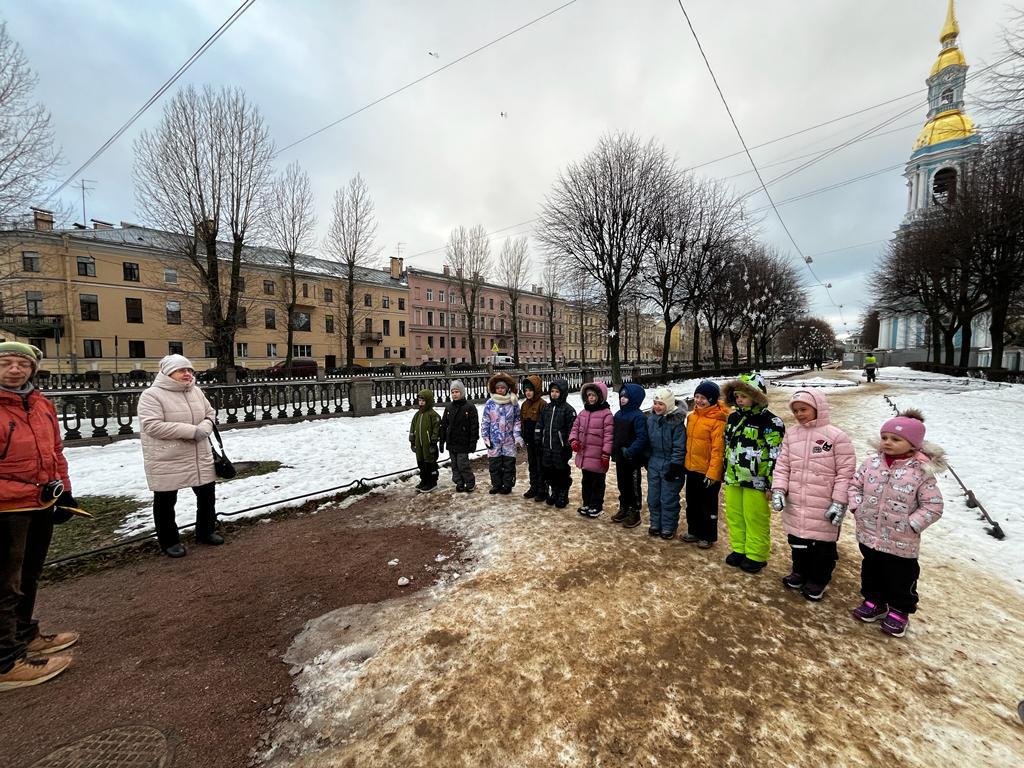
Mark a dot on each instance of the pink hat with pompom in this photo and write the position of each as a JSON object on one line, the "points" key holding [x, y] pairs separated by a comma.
{"points": [[909, 425]]}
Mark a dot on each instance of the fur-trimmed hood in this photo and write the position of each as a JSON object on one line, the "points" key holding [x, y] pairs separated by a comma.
{"points": [[931, 457], [509, 382], [730, 388], [595, 386]]}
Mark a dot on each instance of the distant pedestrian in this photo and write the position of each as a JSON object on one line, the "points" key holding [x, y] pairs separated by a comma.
{"points": [[810, 486], [424, 435], [591, 440], [705, 464], [894, 496], [460, 430], [666, 469], [529, 416], [500, 430], [556, 420], [176, 421], [870, 367], [753, 438], [35, 491], [630, 451]]}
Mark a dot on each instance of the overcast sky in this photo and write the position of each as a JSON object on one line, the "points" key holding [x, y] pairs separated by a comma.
{"points": [[439, 154]]}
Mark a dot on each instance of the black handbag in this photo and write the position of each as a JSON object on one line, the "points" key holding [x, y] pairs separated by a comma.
{"points": [[222, 465]]}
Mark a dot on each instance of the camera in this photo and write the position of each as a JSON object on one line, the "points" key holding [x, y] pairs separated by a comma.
{"points": [[50, 491]]}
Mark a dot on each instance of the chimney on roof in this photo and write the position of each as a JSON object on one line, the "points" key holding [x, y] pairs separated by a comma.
{"points": [[396, 267], [42, 219], [97, 224], [447, 271]]}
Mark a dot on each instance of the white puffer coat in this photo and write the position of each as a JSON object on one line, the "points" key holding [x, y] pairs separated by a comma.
{"points": [[170, 412]]}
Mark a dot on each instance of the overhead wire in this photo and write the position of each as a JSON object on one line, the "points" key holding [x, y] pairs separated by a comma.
{"points": [[239, 11]]}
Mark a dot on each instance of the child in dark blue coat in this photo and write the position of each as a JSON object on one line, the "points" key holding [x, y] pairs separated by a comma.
{"points": [[630, 448]]}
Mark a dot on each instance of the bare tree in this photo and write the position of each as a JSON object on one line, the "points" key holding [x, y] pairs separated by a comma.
{"points": [[604, 213], [774, 297], [291, 225], [28, 157], [203, 170], [1003, 94], [552, 281], [350, 241], [469, 257], [513, 268]]}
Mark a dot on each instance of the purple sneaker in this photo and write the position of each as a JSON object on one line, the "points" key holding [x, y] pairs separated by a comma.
{"points": [[895, 623], [868, 611], [793, 581]]}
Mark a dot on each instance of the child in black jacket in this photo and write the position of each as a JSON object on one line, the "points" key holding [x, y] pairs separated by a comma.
{"points": [[460, 429]]}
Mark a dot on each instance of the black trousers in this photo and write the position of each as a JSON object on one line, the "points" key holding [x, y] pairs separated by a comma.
{"points": [[870, 374], [428, 472], [503, 471], [558, 477], [627, 477], [889, 579], [24, 541], [533, 456], [814, 560], [701, 507], [163, 514], [593, 489]]}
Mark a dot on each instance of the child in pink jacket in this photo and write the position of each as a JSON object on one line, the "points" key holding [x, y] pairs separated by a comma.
{"points": [[591, 441], [893, 497], [810, 487]]}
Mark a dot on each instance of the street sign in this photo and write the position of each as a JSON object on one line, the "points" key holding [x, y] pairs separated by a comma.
{"points": [[494, 347]]}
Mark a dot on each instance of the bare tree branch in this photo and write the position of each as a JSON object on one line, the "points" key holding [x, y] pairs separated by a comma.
{"points": [[513, 268], [469, 257]]}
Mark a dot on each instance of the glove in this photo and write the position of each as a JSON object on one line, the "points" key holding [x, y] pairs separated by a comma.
{"points": [[778, 501], [674, 473], [605, 461], [835, 513], [575, 445], [708, 482], [66, 507]]}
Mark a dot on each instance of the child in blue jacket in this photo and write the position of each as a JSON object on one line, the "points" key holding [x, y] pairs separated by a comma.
{"points": [[666, 429], [630, 447]]}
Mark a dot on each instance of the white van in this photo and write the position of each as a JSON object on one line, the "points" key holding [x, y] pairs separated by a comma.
{"points": [[503, 361]]}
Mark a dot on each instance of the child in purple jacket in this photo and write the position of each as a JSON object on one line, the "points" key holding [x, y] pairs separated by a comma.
{"points": [[591, 441]]}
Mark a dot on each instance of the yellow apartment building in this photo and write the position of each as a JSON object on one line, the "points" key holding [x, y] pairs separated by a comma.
{"points": [[120, 298]]}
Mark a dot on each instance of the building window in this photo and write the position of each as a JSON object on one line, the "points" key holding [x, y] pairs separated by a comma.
{"points": [[241, 349], [368, 325], [430, 294], [440, 341], [440, 296], [30, 261], [268, 287], [369, 353], [271, 350], [93, 347], [305, 290], [430, 343], [430, 317], [301, 322], [401, 306], [242, 317], [463, 342], [173, 312], [136, 348], [387, 353], [170, 275], [302, 350], [269, 319], [328, 295], [86, 266], [89, 303], [329, 323], [367, 300], [387, 327], [133, 311], [401, 351], [131, 271], [175, 348], [241, 285], [440, 319], [209, 349], [34, 303], [481, 302], [401, 329], [385, 302]]}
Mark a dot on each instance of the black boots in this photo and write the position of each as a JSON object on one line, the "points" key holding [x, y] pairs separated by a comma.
{"points": [[632, 519], [562, 498], [621, 515]]}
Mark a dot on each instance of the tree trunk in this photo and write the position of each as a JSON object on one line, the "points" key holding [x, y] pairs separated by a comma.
{"points": [[613, 344], [291, 311], [667, 340], [936, 339], [470, 318], [997, 330], [551, 334], [515, 334], [350, 319], [965, 342], [734, 339], [947, 342], [714, 352], [696, 342]]}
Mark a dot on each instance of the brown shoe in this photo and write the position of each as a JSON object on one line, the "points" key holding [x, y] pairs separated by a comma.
{"points": [[32, 671], [52, 643]]}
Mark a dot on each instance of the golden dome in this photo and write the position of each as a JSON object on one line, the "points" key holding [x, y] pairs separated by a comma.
{"points": [[950, 28], [947, 58], [945, 127]]}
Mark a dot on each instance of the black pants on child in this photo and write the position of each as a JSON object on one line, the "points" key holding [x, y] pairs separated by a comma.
{"points": [[558, 477], [503, 471], [163, 514], [24, 541], [533, 456], [462, 471], [627, 477], [428, 473], [593, 489], [889, 579], [814, 560], [701, 507]]}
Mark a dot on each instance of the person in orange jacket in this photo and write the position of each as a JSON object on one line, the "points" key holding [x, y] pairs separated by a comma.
{"points": [[705, 464]]}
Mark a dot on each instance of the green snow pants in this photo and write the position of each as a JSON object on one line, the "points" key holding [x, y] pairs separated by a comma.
{"points": [[749, 520]]}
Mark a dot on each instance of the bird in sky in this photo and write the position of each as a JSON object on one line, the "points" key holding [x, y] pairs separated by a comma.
{"points": [[503, 114], [434, 54]]}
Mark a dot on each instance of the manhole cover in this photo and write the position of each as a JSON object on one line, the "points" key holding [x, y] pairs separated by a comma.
{"points": [[131, 746]]}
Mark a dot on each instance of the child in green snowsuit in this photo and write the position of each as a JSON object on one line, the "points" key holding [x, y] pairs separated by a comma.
{"points": [[753, 440], [423, 437]]}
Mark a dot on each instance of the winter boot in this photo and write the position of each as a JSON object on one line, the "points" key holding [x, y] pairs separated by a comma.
{"points": [[869, 611], [632, 518], [735, 559], [689, 538], [793, 581], [705, 544], [621, 515], [563, 498], [813, 592], [530, 493], [652, 531], [33, 671], [752, 566], [895, 623]]}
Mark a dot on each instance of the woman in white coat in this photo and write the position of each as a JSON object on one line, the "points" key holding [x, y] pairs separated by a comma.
{"points": [[176, 420]]}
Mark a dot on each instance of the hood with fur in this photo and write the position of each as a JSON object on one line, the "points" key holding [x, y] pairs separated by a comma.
{"points": [[748, 386]]}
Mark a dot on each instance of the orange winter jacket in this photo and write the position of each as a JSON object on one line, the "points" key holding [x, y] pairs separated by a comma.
{"points": [[31, 451], [705, 440]]}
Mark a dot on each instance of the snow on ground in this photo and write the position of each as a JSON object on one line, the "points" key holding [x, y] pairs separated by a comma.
{"points": [[565, 641]]}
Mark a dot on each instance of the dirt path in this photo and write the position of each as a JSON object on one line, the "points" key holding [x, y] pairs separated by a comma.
{"points": [[192, 647], [577, 643]]}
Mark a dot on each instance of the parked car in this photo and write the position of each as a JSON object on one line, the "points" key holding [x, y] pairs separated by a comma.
{"points": [[300, 366], [465, 367], [431, 365], [217, 375]]}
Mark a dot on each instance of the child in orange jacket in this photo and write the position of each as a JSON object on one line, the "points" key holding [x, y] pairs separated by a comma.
{"points": [[705, 464]]}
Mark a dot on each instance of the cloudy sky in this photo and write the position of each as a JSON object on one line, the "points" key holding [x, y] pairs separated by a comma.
{"points": [[440, 154]]}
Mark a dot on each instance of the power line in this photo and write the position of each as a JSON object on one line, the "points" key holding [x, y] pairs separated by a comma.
{"points": [[246, 4], [418, 80]]}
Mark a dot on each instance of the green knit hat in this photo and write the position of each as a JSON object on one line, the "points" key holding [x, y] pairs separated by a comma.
{"points": [[17, 349]]}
